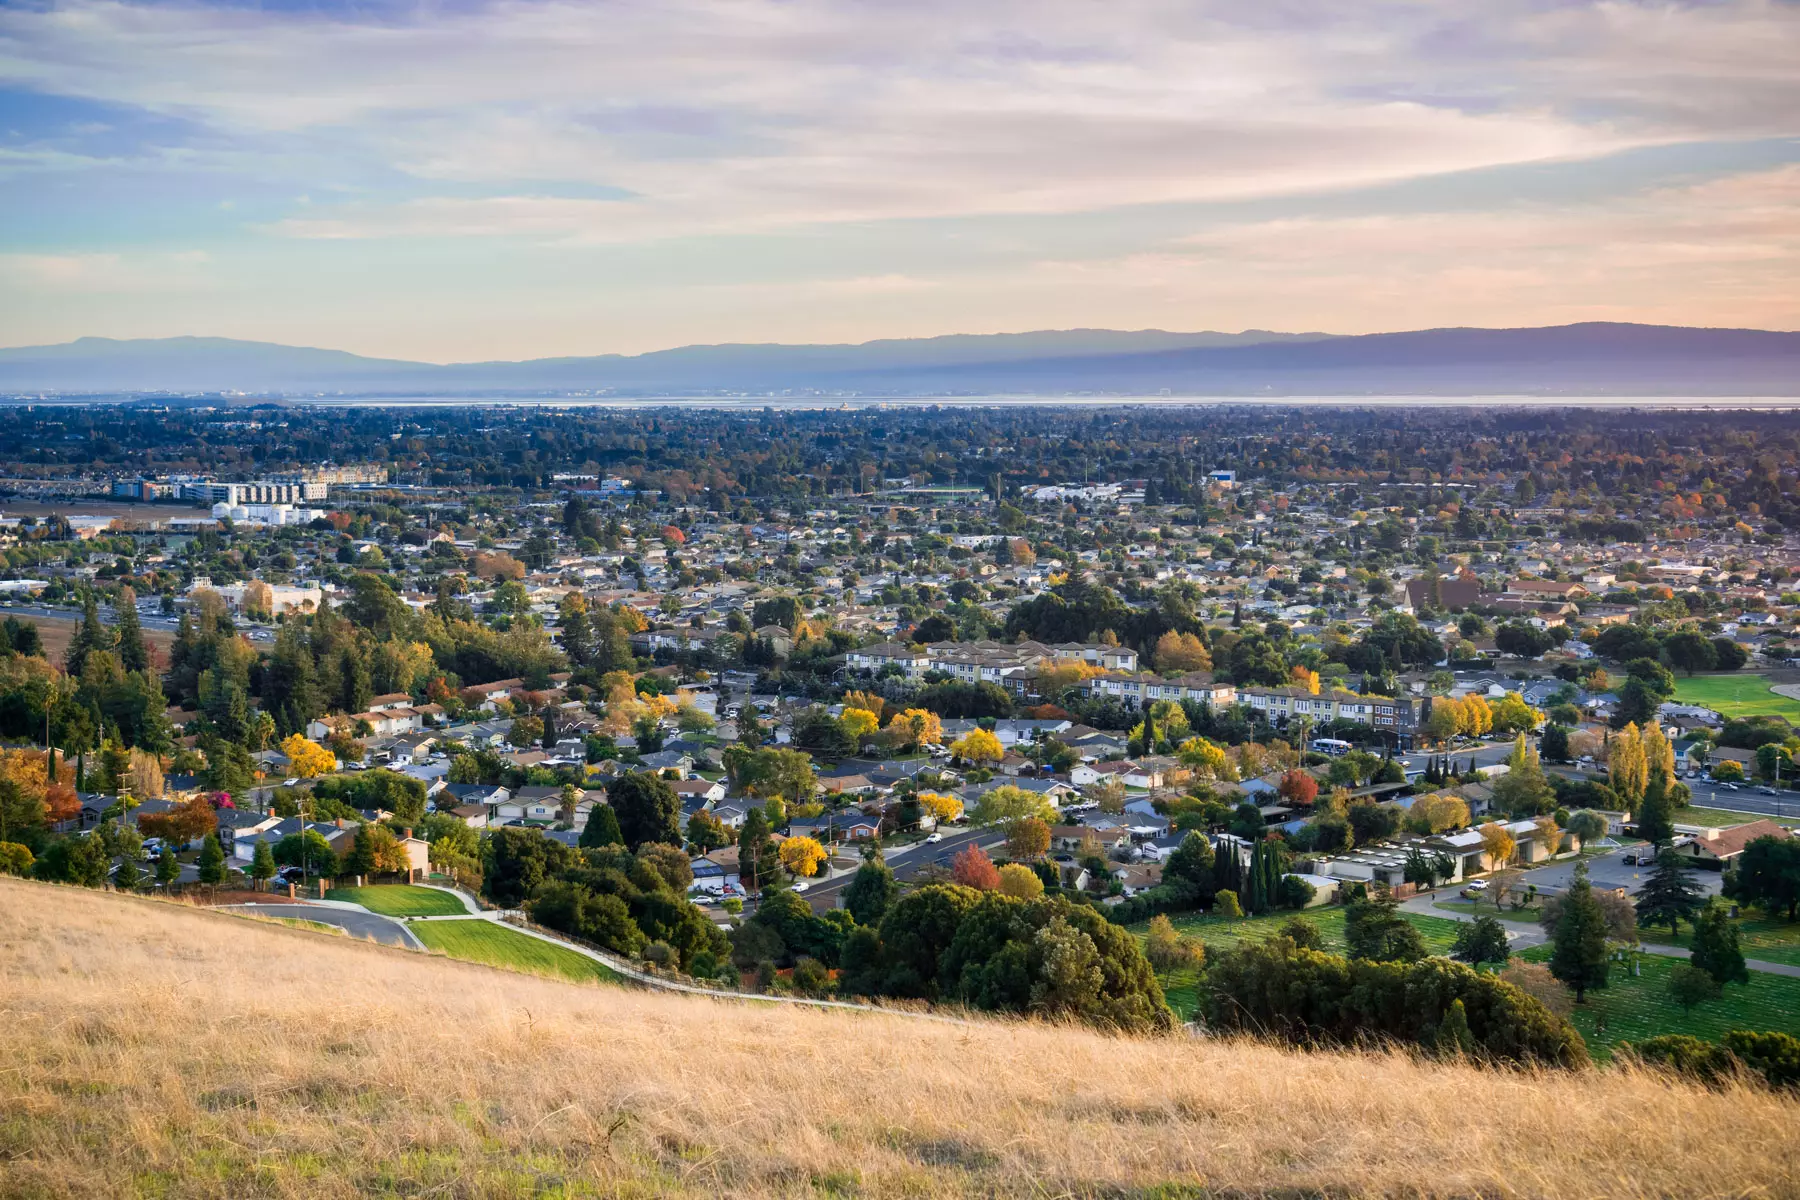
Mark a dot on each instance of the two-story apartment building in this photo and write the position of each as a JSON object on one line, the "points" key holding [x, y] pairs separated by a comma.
{"points": [[1397, 715], [1012, 665], [1145, 687]]}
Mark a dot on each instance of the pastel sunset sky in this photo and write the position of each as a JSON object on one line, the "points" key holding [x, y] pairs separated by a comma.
{"points": [[471, 180]]}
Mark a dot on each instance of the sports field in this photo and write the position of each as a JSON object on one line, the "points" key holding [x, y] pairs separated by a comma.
{"points": [[1736, 695]]}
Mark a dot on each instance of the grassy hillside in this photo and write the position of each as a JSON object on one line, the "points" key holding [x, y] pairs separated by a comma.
{"points": [[155, 1050]]}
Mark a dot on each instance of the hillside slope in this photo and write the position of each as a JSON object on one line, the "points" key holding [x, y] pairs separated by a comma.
{"points": [[155, 1050], [1593, 358]]}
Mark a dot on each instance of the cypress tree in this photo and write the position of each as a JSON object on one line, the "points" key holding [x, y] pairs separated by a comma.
{"points": [[1579, 959], [1655, 815], [90, 636], [1228, 874], [1670, 896], [212, 861], [1716, 949], [1453, 1034], [133, 654], [127, 876], [602, 828]]}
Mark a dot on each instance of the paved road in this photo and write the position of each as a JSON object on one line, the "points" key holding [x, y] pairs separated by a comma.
{"points": [[149, 620], [357, 924], [1747, 799], [906, 862]]}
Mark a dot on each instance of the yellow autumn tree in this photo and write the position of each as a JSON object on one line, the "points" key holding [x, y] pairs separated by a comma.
{"points": [[1498, 844], [622, 704], [1302, 677], [941, 808], [802, 856], [1064, 673], [1627, 765], [306, 758], [1659, 755], [978, 746], [1512, 714], [868, 702], [913, 728], [1019, 880], [1206, 759], [145, 778], [1478, 716], [860, 723], [1181, 652]]}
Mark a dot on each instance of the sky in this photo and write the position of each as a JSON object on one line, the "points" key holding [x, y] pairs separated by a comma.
{"points": [[463, 180]]}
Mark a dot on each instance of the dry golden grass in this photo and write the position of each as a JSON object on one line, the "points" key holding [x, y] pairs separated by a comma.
{"points": [[151, 1049]]}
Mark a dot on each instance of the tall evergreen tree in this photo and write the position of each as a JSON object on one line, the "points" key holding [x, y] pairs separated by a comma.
{"points": [[575, 631], [602, 828], [1228, 868], [1579, 958], [90, 636], [212, 861], [353, 675], [757, 862], [262, 864], [1671, 895], [1655, 813], [871, 892], [1715, 945], [127, 876], [134, 655]]}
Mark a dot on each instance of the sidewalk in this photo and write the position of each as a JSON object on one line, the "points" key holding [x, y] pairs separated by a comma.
{"points": [[1530, 933]]}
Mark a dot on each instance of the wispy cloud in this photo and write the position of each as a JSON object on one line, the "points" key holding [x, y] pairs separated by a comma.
{"points": [[597, 128]]}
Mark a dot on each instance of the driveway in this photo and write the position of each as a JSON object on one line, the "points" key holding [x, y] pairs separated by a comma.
{"points": [[359, 924]]}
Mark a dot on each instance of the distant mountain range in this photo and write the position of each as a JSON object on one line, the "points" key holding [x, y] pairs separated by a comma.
{"points": [[1594, 359]]}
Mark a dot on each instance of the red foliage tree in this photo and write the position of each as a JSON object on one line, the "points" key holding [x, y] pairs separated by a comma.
{"points": [[61, 803], [1299, 787], [973, 868], [185, 822]]}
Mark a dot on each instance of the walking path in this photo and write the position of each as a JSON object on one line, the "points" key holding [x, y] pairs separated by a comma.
{"points": [[359, 920], [1532, 934], [351, 918]]}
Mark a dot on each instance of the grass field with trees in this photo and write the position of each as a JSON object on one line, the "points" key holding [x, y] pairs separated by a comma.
{"points": [[1634, 1008], [1179, 984]]}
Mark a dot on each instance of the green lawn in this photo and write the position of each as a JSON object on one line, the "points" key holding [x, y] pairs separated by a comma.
{"points": [[401, 900], [1767, 939], [1633, 1009], [497, 946], [1719, 818], [1736, 695], [1180, 986], [1522, 916]]}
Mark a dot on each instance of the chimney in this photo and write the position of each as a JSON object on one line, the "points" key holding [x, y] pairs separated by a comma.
{"points": [[339, 822], [406, 833]]}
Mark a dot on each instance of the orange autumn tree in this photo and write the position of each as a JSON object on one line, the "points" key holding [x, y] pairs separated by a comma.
{"points": [[29, 771], [973, 868], [186, 822]]}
